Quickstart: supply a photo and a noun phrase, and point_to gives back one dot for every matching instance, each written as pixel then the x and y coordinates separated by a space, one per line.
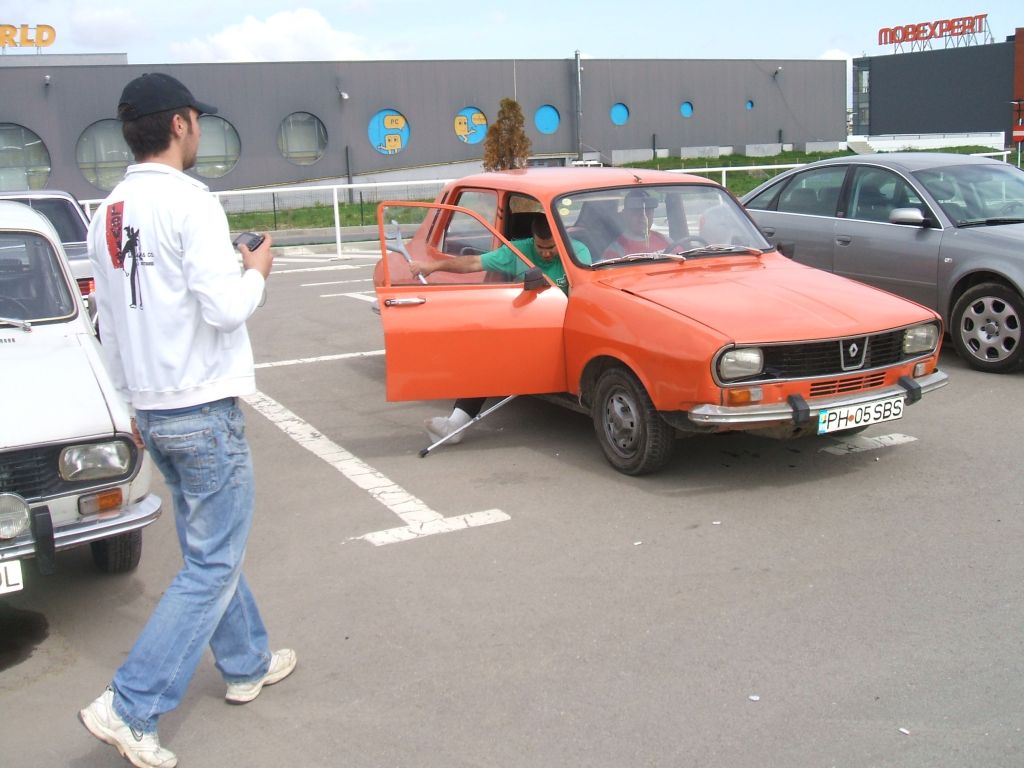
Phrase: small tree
pixel 507 145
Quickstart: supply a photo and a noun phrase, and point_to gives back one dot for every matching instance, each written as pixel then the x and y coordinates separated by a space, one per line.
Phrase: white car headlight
pixel 13 516
pixel 920 338
pixel 740 363
pixel 96 461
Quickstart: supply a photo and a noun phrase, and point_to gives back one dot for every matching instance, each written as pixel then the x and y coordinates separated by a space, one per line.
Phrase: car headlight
pixel 13 516
pixel 740 363
pixel 95 461
pixel 920 338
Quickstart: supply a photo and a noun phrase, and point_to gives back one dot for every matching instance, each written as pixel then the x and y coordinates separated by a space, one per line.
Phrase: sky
pixel 204 31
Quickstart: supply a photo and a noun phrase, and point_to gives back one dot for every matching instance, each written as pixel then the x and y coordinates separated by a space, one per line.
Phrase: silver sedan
pixel 945 230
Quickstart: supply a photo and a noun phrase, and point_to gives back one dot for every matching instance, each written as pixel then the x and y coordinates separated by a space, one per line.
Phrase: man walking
pixel 173 307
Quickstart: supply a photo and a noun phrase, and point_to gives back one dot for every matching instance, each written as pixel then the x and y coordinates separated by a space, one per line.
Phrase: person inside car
pixel 637 219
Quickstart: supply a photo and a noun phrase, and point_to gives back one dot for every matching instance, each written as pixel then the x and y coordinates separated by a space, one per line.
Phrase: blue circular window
pixel 388 132
pixel 470 125
pixel 547 119
pixel 619 114
pixel 749 104
pixel 686 109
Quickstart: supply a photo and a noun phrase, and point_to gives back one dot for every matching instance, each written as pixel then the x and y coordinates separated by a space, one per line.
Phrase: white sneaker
pixel 282 664
pixel 139 749
pixel 439 427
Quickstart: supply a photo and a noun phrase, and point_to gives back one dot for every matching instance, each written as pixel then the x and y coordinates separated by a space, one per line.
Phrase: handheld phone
pixel 250 240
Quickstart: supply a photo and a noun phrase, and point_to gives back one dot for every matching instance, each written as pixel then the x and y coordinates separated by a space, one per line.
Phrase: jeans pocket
pixel 193 455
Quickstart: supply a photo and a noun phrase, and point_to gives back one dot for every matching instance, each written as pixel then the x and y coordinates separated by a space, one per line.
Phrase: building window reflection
pixel 302 138
pixel 103 154
pixel 24 159
pixel 219 147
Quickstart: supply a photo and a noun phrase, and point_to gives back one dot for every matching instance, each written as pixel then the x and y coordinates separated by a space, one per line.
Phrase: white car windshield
pixel 657 222
pixel 32 284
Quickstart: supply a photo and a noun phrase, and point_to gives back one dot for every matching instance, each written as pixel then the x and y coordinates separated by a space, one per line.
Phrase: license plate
pixel 10 577
pixel 853 416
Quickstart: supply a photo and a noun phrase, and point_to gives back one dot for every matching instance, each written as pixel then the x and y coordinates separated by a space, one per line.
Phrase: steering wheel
pixel 685 243
pixel 5 300
pixel 1011 207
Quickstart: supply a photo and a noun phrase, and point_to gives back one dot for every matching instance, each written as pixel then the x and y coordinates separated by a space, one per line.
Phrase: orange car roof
pixel 548 182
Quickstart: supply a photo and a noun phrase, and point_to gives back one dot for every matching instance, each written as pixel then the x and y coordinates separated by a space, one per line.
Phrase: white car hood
pixel 49 390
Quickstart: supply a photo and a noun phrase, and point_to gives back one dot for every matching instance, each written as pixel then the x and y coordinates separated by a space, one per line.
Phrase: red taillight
pixel 86 285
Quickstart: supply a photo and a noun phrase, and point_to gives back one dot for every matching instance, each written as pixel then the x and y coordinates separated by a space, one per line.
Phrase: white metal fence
pixel 276 200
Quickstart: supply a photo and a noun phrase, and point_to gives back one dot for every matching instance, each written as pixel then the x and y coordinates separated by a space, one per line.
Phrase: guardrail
pixel 275 199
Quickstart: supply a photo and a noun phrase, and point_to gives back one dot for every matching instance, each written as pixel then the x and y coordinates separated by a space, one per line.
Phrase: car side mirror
pixel 786 249
pixel 911 217
pixel 534 280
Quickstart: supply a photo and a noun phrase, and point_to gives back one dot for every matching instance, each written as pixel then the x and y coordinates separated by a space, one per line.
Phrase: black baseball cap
pixel 156 92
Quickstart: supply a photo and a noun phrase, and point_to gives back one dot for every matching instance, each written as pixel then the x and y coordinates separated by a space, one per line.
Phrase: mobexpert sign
pixel 24 36
pixel 928 30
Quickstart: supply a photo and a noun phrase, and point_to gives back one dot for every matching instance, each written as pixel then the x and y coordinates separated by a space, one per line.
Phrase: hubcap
pixel 620 422
pixel 990 328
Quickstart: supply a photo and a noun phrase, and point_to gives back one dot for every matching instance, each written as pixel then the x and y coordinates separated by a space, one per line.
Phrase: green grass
pixel 365 214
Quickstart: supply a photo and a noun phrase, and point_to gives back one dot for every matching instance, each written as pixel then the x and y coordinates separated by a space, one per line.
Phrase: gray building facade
pixel 965 89
pixel 349 119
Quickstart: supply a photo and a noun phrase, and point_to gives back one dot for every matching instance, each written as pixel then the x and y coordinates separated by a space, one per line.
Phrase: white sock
pixel 459 418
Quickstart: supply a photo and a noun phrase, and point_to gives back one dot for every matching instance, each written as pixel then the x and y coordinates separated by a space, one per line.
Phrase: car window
pixel 876 192
pixel 32 283
pixel 464 234
pixel 635 221
pixel 814 192
pixel 971 193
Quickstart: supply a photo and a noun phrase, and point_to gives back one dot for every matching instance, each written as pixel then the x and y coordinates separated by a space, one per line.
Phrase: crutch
pixel 475 419
pixel 395 243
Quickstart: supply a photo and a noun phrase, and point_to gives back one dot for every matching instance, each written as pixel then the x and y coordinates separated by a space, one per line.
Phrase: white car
pixel 70 472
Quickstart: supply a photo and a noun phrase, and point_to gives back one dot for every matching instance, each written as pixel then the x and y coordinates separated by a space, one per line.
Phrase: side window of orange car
pixel 465 235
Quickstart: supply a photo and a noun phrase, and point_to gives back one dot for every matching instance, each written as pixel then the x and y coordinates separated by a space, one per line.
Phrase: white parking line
pixel 370 296
pixel 857 444
pixel 419 519
pixel 322 359
pixel 336 282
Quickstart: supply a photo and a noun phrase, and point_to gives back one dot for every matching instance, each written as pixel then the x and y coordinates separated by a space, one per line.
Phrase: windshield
pixel 990 193
pixel 32 283
pixel 657 223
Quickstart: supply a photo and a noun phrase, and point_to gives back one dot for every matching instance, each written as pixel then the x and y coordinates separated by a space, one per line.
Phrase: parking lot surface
pixel 514 601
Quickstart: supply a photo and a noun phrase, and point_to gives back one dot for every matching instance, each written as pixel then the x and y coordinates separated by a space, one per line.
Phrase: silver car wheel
pixel 987 328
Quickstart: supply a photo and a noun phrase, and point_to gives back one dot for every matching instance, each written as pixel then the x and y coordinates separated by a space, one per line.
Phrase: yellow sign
pixel 24 36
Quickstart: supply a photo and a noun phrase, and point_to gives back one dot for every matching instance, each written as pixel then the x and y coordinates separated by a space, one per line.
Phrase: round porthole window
pixel 547 119
pixel 470 125
pixel 388 132
pixel 619 114
pixel 686 109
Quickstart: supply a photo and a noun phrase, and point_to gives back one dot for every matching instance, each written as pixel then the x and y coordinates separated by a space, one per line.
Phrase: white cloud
pixel 299 35
pixel 105 28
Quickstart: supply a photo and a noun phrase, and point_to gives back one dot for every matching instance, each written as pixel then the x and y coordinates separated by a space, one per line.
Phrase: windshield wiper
pixel 992 221
pixel 645 256
pixel 23 324
pixel 715 250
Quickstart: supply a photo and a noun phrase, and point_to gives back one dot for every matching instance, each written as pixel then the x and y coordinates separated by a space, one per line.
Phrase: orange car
pixel 674 320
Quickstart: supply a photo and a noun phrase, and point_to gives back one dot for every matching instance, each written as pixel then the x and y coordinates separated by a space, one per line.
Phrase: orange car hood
pixel 751 301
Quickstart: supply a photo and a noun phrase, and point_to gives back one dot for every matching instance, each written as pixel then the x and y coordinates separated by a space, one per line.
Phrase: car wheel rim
pixel 990 329
pixel 621 424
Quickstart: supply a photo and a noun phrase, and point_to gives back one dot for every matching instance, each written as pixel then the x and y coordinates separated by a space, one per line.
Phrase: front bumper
pixel 137 515
pixel 807 410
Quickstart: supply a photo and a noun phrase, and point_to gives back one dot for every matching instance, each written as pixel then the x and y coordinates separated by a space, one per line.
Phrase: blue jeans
pixel 204 458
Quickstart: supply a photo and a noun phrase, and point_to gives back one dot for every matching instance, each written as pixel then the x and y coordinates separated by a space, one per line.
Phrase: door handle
pixel 844 239
pixel 404 302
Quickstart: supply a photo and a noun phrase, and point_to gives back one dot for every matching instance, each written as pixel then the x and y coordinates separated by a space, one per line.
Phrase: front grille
pixel 825 358
pixel 30 473
pixel 847 385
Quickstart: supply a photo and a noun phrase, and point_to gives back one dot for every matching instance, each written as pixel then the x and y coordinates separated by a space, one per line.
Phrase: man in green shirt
pixel 543 252
pixel 540 249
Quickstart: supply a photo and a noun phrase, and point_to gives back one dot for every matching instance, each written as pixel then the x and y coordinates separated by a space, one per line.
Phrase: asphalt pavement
pixel 513 601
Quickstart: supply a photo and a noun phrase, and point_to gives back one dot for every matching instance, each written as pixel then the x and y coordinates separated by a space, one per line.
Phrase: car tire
pixel 634 437
pixel 986 328
pixel 118 554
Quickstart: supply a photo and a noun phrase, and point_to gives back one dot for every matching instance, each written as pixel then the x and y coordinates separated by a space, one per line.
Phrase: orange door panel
pixel 448 341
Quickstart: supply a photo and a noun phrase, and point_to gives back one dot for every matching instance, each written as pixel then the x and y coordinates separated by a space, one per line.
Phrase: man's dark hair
pixel 151 134
pixel 540 228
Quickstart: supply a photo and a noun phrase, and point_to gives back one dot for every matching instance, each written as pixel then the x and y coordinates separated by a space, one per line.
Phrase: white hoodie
pixel 172 303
